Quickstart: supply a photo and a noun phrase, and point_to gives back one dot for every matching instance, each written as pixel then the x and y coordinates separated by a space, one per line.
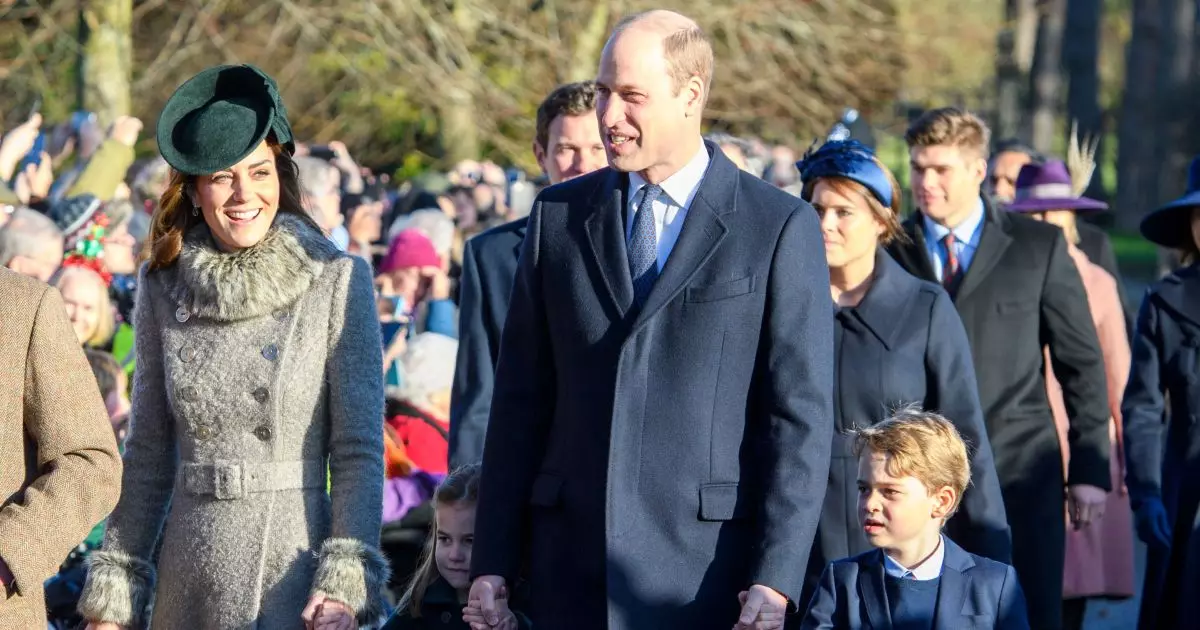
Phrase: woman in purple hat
pixel 1099 557
pixel 1163 384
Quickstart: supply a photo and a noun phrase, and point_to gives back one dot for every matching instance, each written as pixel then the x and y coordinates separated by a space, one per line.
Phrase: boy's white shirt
pixel 930 569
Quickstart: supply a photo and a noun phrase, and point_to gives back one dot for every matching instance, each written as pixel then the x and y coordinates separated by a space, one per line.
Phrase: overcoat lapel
pixel 992 244
pixel 606 237
pixel 703 230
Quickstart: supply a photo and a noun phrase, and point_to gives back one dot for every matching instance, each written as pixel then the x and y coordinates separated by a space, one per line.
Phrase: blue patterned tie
pixel 643 246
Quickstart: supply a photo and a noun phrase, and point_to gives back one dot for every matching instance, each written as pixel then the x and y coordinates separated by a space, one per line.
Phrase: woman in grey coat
pixel 259 370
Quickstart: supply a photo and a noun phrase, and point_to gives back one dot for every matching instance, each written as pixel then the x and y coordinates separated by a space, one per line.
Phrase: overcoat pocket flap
pixel 546 490
pixel 719 502
pixel 720 291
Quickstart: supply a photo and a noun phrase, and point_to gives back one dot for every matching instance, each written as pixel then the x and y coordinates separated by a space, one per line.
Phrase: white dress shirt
pixel 671 207
pixel 931 569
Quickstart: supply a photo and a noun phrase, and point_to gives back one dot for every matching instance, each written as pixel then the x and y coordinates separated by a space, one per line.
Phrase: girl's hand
pixel 327 614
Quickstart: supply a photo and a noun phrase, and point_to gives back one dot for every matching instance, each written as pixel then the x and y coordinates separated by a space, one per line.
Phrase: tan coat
pixel 1099 558
pixel 60 473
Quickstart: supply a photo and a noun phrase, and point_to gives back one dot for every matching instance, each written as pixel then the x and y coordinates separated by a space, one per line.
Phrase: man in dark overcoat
pixel 658 446
pixel 567 145
pixel 1017 291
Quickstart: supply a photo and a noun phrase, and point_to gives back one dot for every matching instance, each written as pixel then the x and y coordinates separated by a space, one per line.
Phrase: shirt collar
pixel 682 186
pixel 964 233
pixel 930 569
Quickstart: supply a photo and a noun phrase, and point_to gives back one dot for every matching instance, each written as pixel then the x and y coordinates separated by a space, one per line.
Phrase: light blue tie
pixel 643 246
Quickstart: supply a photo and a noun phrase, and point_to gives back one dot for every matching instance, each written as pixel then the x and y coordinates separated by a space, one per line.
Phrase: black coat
pixel 1021 293
pixel 440 610
pixel 658 461
pixel 489 265
pixel 904 343
pixel 1166 360
pixel 975 593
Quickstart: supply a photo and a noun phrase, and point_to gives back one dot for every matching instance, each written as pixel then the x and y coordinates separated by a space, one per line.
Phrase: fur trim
pixel 254 281
pixel 119 589
pixel 355 574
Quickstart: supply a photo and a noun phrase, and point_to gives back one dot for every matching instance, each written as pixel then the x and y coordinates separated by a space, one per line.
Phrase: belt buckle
pixel 228 482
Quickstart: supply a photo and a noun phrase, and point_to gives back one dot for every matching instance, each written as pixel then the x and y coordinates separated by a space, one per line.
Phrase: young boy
pixel 912 471
pixel 113 385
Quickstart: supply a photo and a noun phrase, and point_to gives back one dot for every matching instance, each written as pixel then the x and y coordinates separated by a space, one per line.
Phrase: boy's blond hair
pixel 921 444
pixel 950 126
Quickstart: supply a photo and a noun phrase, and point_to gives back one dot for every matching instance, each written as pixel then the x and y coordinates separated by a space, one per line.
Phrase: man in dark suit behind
pixel 567 145
pixel 1017 291
pixel 658 446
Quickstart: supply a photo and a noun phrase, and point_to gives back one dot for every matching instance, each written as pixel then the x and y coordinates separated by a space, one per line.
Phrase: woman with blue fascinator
pixel 899 341
pixel 259 381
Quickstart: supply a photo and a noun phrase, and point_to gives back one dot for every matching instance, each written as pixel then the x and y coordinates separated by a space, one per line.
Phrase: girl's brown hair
pixel 460 487
pixel 173 217
pixel 888 215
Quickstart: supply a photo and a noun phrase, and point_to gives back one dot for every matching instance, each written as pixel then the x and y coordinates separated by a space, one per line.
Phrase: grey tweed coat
pixel 258 371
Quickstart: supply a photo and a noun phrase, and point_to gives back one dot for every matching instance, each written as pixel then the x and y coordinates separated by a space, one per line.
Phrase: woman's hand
pixel 327 614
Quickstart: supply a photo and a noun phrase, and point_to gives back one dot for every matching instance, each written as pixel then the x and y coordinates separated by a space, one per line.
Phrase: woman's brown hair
pixel 460 487
pixel 174 218
pixel 889 216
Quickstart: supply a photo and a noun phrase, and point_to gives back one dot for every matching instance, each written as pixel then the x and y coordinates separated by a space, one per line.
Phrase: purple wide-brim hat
pixel 1043 187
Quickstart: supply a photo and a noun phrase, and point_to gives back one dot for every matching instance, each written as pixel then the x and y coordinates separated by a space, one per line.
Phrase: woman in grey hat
pixel 259 370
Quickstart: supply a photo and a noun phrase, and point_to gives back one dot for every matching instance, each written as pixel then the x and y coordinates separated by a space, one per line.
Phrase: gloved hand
pixel 1153 526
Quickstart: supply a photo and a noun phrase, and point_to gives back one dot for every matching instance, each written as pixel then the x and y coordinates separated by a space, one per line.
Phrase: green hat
pixel 220 116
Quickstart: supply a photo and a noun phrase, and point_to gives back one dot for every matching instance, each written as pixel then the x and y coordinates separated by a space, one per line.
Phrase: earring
pixel 195 211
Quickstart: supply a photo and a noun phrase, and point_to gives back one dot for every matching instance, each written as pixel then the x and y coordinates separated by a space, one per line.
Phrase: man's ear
pixel 539 153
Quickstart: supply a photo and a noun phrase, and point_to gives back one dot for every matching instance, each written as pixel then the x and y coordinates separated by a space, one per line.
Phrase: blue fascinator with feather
pixel 849 159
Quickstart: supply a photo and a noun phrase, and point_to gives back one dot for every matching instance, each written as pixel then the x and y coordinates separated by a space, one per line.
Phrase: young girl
pixel 437 595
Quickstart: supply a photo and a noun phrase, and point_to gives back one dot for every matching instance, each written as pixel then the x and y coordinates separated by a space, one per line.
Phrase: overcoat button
pixel 263 432
pixel 187 353
pixel 203 433
pixel 189 394
pixel 446 617
pixel 271 352
pixel 261 394
pixel 181 315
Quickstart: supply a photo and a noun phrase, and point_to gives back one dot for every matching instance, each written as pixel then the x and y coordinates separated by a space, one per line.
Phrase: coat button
pixel 187 353
pixel 270 352
pixel 263 432
pixel 446 617
pixel 261 394
pixel 189 394
pixel 203 433
pixel 182 314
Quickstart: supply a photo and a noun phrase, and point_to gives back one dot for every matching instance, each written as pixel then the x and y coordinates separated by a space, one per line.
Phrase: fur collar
pixel 255 281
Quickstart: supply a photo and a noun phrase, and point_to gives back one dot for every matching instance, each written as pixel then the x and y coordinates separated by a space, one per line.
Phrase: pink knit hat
pixel 410 248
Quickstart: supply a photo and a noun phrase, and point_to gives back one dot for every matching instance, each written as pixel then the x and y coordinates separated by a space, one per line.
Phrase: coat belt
pixel 235 480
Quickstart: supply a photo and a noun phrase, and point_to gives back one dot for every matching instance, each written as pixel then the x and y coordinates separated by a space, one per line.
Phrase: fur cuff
pixel 119 589
pixel 355 574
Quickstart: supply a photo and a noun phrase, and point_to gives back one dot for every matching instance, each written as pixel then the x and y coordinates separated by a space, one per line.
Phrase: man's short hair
pixel 571 99
pixel 688 51
pixel 950 126
pixel 1014 145
pixel 316 176
pixel 26 234
pixel 920 444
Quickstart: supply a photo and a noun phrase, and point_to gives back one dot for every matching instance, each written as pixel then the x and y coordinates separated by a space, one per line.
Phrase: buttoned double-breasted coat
pixel 258 372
